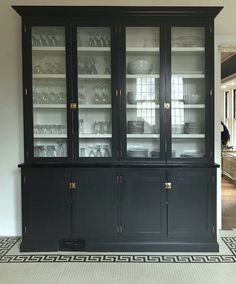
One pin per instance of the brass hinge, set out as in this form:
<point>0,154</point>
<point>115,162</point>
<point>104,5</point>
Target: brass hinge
<point>26,92</point>
<point>117,93</point>
<point>120,93</point>
<point>168,185</point>
<point>118,179</point>
<point>72,185</point>
<point>73,105</point>
<point>119,229</point>
<point>211,92</point>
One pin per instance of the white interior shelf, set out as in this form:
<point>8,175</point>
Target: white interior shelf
<point>142,49</point>
<point>50,136</point>
<point>135,106</point>
<point>134,76</point>
<point>49,105</point>
<point>49,76</point>
<point>190,106</point>
<point>188,136</point>
<point>87,106</point>
<point>189,75</point>
<point>89,49</point>
<point>188,49</point>
<point>87,135</point>
<point>48,48</point>
<point>94,76</point>
<point>141,136</point>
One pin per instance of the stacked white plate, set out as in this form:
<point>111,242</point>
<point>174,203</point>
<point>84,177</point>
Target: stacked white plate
<point>136,152</point>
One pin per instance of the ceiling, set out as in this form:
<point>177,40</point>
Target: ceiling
<point>226,55</point>
<point>229,82</point>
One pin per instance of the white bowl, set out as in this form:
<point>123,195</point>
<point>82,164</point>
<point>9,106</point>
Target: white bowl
<point>139,67</point>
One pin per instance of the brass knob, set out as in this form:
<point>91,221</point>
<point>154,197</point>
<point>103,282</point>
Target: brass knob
<point>73,105</point>
<point>166,105</point>
<point>72,185</point>
<point>168,185</point>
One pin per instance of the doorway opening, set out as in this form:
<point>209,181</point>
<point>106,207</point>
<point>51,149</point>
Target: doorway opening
<point>228,146</point>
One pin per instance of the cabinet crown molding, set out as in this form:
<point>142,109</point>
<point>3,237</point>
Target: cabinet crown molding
<point>113,11</point>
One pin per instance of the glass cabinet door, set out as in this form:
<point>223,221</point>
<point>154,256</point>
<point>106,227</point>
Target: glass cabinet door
<point>49,92</point>
<point>142,92</point>
<point>94,92</point>
<point>188,92</point>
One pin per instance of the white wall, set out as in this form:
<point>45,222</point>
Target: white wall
<point>11,117</point>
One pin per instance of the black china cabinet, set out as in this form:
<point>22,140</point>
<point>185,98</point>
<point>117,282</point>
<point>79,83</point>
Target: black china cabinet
<point>118,128</point>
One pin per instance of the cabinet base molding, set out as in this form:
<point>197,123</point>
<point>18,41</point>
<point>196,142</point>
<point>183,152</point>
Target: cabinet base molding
<point>78,245</point>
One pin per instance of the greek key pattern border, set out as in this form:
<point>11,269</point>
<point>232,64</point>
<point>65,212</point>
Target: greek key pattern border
<point>7,243</point>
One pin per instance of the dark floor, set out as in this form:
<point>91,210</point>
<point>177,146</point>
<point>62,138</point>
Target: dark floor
<point>228,204</point>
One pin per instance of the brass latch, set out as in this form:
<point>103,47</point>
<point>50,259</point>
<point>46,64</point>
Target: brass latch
<point>166,105</point>
<point>72,185</point>
<point>168,185</point>
<point>73,105</point>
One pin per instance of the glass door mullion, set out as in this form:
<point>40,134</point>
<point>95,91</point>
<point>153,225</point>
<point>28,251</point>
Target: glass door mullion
<point>94,89</point>
<point>188,93</point>
<point>49,91</point>
<point>142,92</point>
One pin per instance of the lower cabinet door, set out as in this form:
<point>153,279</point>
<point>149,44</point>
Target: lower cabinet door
<point>94,204</point>
<point>142,204</point>
<point>46,205</point>
<point>191,204</point>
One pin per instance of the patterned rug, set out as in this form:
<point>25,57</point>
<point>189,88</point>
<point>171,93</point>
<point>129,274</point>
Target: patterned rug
<point>9,253</point>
